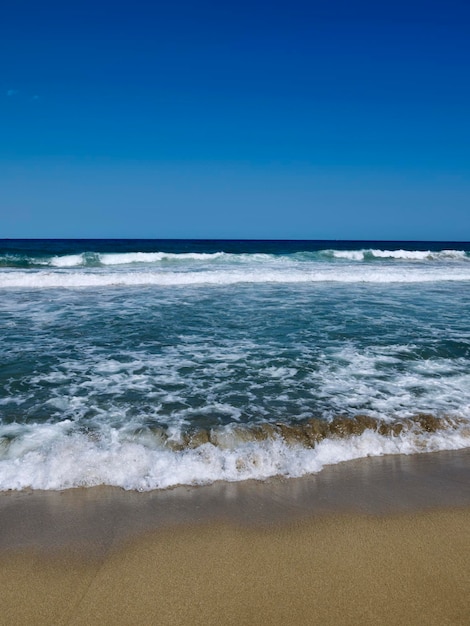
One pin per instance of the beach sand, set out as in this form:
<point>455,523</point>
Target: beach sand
<point>374,541</point>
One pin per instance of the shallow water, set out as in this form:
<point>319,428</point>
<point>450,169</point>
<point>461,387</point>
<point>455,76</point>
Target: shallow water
<point>148,364</point>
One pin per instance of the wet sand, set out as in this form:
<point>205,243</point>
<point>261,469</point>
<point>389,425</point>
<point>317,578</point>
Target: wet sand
<point>372,541</point>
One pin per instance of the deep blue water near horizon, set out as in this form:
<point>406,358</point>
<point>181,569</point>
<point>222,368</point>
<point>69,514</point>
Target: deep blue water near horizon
<point>150,363</point>
<point>268,246</point>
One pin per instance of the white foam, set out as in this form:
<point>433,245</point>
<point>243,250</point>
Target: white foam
<point>126,258</point>
<point>69,260</point>
<point>130,257</point>
<point>409,255</point>
<point>38,279</point>
<point>54,457</point>
<point>354,381</point>
<point>280,372</point>
<point>406,255</point>
<point>418,255</point>
<point>350,255</point>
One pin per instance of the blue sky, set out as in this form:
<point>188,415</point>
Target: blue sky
<point>209,119</point>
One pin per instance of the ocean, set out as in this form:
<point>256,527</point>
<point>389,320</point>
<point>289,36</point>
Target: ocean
<point>146,364</point>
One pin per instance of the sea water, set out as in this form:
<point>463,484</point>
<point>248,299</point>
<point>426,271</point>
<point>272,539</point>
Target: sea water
<point>146,364</point>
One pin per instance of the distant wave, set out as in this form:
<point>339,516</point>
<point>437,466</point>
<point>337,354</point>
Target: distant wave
<point>128,258</point>
<point>51,279</point>
<point>109,259</point>
<point>406,255</point>
<point>95,259</point>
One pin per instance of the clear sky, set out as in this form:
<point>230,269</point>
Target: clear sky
<point>334,119</point>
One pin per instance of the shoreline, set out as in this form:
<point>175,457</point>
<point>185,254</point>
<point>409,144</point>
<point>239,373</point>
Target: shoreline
<point>387,485</point>
<point>378,540</point>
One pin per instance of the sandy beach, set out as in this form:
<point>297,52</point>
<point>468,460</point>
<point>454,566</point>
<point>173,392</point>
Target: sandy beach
<point>372,541</point>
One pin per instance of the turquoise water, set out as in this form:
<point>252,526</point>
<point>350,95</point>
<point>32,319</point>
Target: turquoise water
<point>146,364</point>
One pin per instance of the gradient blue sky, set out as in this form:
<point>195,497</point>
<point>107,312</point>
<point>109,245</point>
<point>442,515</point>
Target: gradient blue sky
<point>235,120</point>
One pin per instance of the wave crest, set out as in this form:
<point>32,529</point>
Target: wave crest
<point>400,255</point>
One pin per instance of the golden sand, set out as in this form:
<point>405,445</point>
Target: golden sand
<point>373,541</point>
<point>335,569</point>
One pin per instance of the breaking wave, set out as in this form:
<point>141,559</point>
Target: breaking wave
<point>403,255</point>
<point>99,259</point>
<point>228,276</point>
<point>56,456</point>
